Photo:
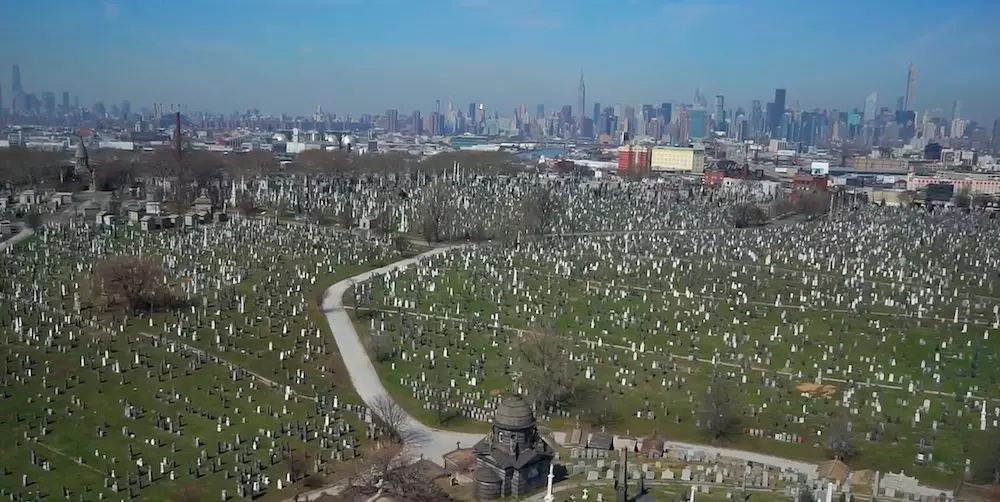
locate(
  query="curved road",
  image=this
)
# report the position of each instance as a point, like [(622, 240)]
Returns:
[(432, 444), (24, 233)]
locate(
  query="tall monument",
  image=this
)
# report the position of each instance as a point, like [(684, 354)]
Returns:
[(81, 164)]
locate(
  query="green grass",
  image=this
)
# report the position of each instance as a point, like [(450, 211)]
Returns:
[(279, 267), (657, 299)]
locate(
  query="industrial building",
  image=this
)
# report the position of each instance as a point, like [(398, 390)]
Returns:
[(985, 185), (680, 159)]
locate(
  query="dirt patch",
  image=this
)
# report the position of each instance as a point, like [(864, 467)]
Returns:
[(815, 389)]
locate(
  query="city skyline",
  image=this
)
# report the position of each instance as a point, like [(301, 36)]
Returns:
[(148, 62)]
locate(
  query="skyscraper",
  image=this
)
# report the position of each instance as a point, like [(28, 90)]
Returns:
[(15, 80), (911, 83), (777, 111), (581, 106), (417, 123), (996, 136), (956, 110), (597, 112), (720, 112), (540, 111), (666, 113), (869, 110), (756, 119), (391, 121), (699, 123)]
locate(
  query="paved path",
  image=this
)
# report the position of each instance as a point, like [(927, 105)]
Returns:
[(24, 233), (434, 443), (431, 443)]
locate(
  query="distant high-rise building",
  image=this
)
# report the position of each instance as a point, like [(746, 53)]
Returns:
[(472, 112), (683, 125), (540, 111), (956, 110), (911, 84), (720, 112), (597, 113), (126, 106), (776, 112), (699, 123), (65, 100), (49, 103), (648, 113), (996, 136), (581, 106), (416, 123), (870, 110), (957, 128), (566, 115), (435, 123), (756, 119), (900, 104), (15, 80), (666, 113), (392, 121)]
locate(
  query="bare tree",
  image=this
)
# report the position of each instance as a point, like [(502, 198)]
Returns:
[(246, 204), (432, 213), (253, 163), (962, 198), (389, 470), (401, 244), (322, 162), (781, 206), (393, 419), (546, 374), (136, 284), (346, 217), (383, 224), (719, 417), (297, 463), (595, 406), (747, 215), (33, 219), (539, 209), (980, 200), (813, 203), (839, 439)]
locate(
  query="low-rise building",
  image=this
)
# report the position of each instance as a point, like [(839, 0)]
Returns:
[(634, 158), (675, 158), (974, 184)]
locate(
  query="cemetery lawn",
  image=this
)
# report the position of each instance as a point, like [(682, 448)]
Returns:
[(87, 395), (652, 320)]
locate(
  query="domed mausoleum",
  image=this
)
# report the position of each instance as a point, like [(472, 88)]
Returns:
[(513, 459)]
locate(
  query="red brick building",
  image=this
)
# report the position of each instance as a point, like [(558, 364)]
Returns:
[(635, 158), (807, 182)]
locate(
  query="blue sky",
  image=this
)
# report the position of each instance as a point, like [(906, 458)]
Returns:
[(369, 55)]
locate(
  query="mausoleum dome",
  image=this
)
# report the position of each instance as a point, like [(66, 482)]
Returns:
[(513, 414)]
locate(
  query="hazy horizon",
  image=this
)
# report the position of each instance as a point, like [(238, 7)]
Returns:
[(354, 56)]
